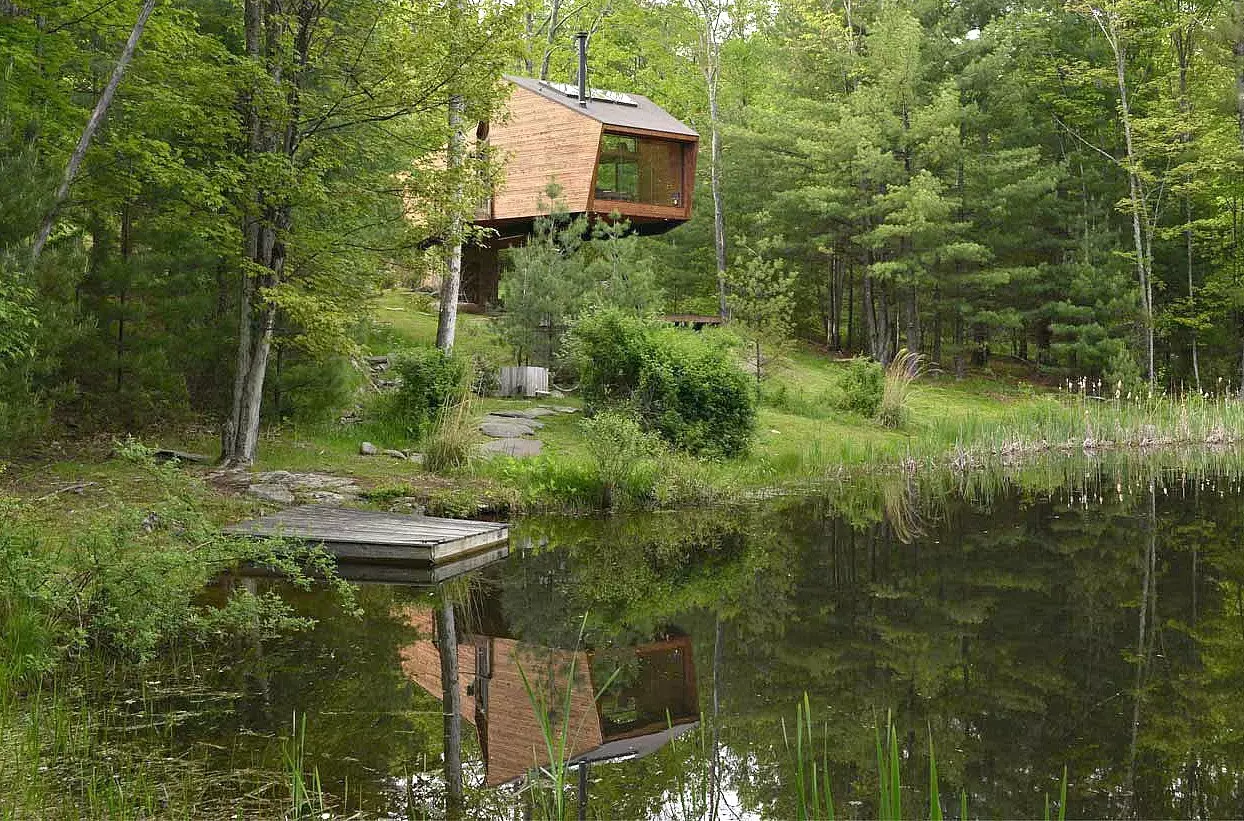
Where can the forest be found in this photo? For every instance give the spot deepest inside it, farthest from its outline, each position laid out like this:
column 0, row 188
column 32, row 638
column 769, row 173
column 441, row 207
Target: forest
column 923, row 421
column 1058, row 184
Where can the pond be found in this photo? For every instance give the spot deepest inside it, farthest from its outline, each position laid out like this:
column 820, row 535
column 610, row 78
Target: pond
column 1095, row 623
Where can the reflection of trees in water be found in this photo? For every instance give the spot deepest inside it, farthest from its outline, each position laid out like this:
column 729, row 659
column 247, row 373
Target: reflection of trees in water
column 1013, row 630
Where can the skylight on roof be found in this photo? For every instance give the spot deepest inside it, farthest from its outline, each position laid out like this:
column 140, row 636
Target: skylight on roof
column 597, row 94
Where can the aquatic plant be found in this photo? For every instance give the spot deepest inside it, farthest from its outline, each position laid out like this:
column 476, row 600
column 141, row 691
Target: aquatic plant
column 306, row 793
column 547, row 783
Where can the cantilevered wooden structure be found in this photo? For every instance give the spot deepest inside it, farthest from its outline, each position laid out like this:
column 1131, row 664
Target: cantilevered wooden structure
column 658, row 702
column 609, row 151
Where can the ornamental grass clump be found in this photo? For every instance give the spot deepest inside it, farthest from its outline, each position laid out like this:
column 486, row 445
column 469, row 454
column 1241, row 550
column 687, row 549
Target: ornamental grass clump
column 448, row 445
column 893, row 412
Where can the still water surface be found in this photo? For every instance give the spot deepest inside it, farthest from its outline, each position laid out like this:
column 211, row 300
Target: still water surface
column 1097, row 627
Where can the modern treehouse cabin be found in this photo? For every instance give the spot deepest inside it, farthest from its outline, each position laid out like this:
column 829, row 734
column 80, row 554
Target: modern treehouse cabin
column 608, row 151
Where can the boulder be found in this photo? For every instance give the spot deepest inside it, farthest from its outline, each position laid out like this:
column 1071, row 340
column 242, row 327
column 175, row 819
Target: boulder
column 326, row 497
column 368, row 449
column 394, row 454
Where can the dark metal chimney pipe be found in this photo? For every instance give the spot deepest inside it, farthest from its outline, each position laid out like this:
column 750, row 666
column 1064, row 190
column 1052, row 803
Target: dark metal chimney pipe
column 581, row 38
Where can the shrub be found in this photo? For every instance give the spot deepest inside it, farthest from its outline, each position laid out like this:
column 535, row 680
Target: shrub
column 608, row 348
column 1123, row 374
column 312, row 390
column 621, row 448
column 899, row 374
column 681, row 384
column 430, row 380
column 693, row 394
column 862, row 386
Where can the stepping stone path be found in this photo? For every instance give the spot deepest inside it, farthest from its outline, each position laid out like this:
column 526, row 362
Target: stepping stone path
column 508, row 427
column 286, row 488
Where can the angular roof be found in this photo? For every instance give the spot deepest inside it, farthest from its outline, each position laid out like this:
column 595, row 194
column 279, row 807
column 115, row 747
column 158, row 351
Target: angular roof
column 610, row 107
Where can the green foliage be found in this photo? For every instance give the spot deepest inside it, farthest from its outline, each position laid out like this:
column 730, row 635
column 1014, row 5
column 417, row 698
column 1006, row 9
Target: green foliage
column 862, row 384
column 314, row 390
column 692, row 393
column 449, row 444
column 1122, row 374
column 609, row 349
column 621, row 269
column 430, row 381
column 893, row 410
column 547, row 284
column 621, row 449
column 682, row 385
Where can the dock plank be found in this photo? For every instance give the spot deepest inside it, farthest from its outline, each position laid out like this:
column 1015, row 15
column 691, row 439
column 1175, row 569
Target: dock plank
column 367, row 535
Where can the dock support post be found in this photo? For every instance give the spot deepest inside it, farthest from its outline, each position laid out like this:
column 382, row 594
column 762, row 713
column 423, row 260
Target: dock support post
column 583, row 790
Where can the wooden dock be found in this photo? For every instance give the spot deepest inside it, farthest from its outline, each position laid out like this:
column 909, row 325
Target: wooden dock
column 368, row 536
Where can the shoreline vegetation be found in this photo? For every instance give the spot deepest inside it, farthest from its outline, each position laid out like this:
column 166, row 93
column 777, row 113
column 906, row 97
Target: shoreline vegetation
column 803, row 438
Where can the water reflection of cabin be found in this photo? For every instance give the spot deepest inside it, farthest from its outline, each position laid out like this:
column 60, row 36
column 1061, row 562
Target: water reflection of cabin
column 608, row 151
column 653, row 701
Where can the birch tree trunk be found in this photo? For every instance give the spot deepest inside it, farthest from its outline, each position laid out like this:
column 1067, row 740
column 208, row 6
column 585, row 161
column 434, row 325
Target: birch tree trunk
column 447, row 321
column 447, row 645
column 92, row 125
column 1135, row 188
column 719, row 219
column 1182, row 39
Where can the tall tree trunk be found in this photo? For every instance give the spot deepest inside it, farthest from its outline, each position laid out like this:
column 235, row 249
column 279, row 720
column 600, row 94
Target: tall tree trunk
column 447, row 645
column 1237, row 50
column 851, row 308
column 554, row 23
column 92, row 125
column 1135, row 188
column 719, row 219
column 1183, row 42
column 127, row 250
column 912, row 311
column 270, row 222
column 447, row 322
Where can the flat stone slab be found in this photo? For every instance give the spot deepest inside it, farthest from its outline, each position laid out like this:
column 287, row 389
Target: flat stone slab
column 280, row 494
column 524, row 413
column 518, row 448
column 534, row 424
column 506, row 428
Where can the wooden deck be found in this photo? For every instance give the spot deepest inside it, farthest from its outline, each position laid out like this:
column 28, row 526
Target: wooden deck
column 368, row 536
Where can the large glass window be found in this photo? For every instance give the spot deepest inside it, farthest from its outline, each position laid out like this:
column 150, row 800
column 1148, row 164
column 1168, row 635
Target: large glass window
column 639, row 169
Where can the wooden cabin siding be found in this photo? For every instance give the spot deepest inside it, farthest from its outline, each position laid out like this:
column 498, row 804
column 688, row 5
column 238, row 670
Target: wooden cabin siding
column 539, row 141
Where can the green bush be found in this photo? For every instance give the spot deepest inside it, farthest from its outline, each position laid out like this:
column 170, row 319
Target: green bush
column 694, row 395
column 682, row 385
column 312, row 390
column 430, row 381
column 862, row 387
column 621, row 449
column 609, row 348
